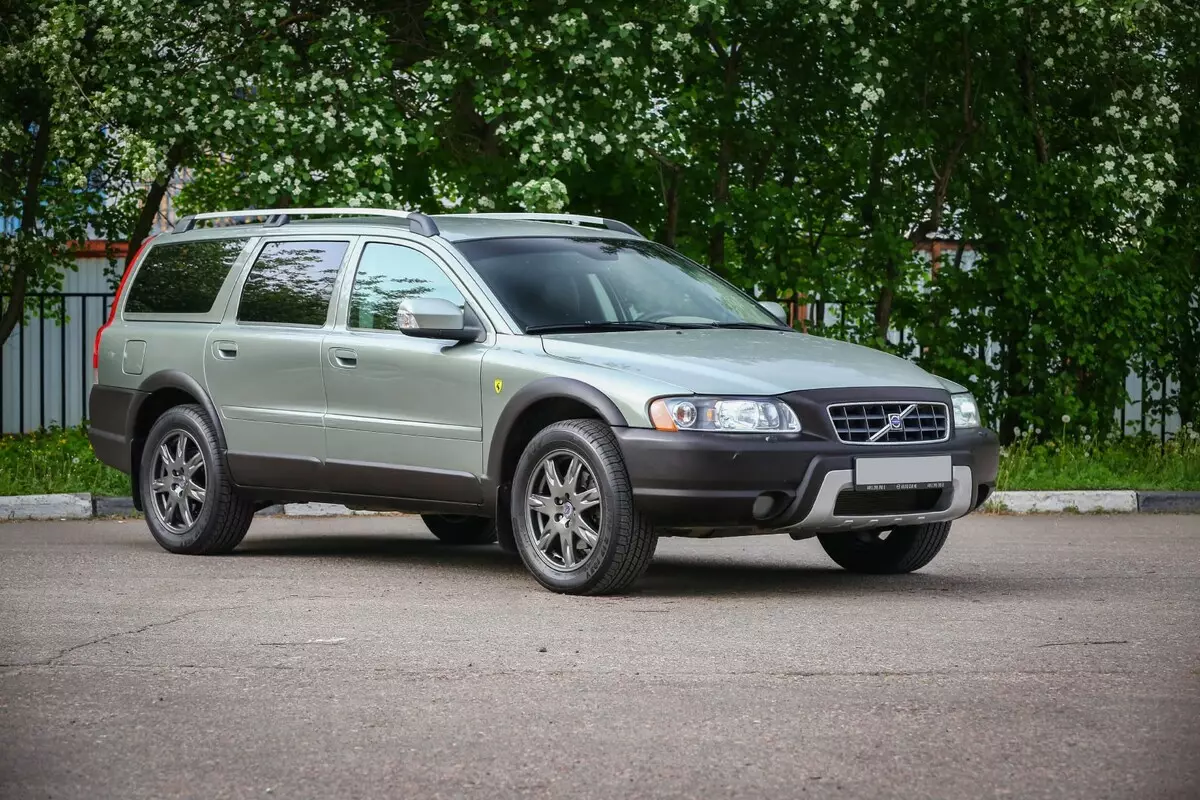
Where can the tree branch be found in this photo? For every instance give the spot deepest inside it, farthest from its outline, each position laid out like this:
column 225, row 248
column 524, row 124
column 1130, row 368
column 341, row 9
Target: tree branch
column 29, row 230
column 153, row 200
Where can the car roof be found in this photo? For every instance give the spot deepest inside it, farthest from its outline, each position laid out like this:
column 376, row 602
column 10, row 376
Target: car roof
column 451, row 227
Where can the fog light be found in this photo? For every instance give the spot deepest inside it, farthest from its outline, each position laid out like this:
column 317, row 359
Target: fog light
column 768, row 505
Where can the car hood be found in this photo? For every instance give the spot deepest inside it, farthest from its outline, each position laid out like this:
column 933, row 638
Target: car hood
column 714, row 361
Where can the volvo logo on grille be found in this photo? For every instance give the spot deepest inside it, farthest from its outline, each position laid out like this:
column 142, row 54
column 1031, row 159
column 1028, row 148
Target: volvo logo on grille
column 895, row 422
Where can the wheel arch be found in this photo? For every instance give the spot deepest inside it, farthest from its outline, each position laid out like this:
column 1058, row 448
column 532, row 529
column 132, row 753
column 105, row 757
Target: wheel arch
column 158, row 393
column 538, row 404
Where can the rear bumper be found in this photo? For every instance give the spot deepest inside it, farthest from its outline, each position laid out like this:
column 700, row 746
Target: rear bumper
column 111, row 416
column 713, row 480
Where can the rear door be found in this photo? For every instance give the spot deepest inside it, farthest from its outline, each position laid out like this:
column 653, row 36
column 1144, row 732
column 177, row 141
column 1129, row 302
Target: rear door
column 263, row 362
column 405, row 414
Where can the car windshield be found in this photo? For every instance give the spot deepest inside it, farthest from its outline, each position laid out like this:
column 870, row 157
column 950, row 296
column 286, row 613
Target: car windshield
column 593, row 284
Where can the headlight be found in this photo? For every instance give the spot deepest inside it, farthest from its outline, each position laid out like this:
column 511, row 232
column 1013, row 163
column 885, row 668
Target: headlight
column 966, row 413
column 729, row 414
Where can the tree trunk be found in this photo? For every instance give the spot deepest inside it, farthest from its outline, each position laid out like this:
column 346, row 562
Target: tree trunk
column 1029, row 101
column 887, row 295
column 671, row 197
column 883, row 305
column 21, row 268
column 153, row 201
column 716, row 239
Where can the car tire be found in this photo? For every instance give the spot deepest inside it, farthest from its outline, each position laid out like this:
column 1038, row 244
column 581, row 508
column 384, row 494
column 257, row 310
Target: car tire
column 455, row 529
column 602, row 546
column 886, row 552
column 186, row 490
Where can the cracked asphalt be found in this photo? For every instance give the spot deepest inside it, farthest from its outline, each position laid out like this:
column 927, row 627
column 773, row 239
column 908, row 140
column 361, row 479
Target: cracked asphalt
column 1054, row 657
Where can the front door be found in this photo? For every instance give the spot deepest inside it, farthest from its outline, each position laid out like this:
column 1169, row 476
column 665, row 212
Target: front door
column 404, row 415
column 263, row 364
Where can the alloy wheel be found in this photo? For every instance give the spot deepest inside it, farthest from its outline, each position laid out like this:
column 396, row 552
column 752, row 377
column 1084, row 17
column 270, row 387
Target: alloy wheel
column 179, row 483
column 565, row 513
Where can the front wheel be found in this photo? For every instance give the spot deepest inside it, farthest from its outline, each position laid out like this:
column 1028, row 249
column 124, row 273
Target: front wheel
column 455, row 529
column 572, row 511
column 886, row 552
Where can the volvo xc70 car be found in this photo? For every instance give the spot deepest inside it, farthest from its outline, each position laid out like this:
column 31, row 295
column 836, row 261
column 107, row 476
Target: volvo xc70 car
column 554, row 382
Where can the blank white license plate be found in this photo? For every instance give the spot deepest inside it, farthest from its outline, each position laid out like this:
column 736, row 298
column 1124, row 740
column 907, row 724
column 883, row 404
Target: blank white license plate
column 906, row 472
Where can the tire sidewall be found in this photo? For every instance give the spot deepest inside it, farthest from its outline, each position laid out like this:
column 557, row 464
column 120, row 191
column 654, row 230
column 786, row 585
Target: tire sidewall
column 597, row 565
column 185, row 419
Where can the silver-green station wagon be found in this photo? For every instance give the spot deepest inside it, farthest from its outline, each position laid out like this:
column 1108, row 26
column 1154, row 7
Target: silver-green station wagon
column 555, row 383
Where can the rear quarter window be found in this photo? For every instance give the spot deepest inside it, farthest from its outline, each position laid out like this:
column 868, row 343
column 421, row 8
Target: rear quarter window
column 183, row 278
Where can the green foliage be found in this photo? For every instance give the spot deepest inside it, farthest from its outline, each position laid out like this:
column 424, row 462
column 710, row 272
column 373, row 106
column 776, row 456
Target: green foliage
column 814, row 150
column 1076, row 460
column 53, row 461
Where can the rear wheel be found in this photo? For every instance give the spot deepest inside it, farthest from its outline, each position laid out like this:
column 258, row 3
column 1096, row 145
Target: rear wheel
column 572, row 511
column 884, row 552
column 186, row 489
column 455, row 529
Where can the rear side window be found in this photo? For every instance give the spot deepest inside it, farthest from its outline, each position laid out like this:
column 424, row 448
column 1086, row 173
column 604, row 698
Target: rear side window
column 182, row 278
column 291, row 283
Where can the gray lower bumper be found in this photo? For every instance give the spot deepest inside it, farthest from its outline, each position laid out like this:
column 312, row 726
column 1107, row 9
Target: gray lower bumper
column 821, row 519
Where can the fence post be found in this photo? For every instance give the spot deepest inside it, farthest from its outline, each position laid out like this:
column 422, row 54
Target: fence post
column 41, row 361
column 62, row 361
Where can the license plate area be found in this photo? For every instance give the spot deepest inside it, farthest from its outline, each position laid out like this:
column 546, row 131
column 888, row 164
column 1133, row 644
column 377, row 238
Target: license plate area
column 878, row 474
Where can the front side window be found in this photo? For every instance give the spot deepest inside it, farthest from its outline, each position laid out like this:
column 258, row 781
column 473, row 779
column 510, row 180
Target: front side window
column 183, row 278
column 387, row 274
column 577, row 283
column 291, row 283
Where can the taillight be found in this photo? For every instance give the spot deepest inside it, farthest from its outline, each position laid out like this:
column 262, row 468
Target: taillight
column 112, row 312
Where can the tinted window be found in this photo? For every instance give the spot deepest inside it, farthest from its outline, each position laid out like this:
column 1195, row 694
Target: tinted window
column 579, row 281
column 291, row 283
column 182, row 278
column 388, row 273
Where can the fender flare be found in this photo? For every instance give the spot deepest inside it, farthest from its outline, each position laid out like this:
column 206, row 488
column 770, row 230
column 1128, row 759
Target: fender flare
column 535, row 392
column 175, row 379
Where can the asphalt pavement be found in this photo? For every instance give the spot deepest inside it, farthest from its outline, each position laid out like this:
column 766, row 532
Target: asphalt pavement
column 1037, row 657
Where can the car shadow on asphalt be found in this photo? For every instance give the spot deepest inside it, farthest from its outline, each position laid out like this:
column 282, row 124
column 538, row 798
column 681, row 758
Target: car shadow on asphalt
column 669, row 575
column 674, row 576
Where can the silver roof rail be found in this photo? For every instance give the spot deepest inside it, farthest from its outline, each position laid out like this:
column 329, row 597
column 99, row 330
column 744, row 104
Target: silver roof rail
column 569, row 219
column 276, row 217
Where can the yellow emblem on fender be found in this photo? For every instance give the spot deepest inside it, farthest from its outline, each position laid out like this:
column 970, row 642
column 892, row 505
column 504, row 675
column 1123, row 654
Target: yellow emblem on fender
column 499, row 385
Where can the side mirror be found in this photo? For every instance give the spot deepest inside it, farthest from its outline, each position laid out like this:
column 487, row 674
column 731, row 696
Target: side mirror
column 434, row 318
column 776, row 310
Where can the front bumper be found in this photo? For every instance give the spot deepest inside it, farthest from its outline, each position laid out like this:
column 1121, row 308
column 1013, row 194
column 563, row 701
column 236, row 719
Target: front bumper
column 706, row 480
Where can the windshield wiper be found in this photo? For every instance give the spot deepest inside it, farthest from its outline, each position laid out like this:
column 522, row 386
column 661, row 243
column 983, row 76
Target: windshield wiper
column 751, row 326
column 599, row 327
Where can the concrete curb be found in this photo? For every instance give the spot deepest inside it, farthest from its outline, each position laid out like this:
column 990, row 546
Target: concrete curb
column 321, row 510
column 1084, row 502
column 46, row 506
column 85, row 506
column 113, row 507
column 1169, row 502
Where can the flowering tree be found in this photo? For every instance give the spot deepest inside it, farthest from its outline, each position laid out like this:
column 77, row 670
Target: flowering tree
column 808, row 149
column 105, row 101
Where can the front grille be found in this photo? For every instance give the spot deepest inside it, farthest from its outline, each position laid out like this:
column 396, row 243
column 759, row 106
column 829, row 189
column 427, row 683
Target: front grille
column 901, row 501
column 871, row 423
